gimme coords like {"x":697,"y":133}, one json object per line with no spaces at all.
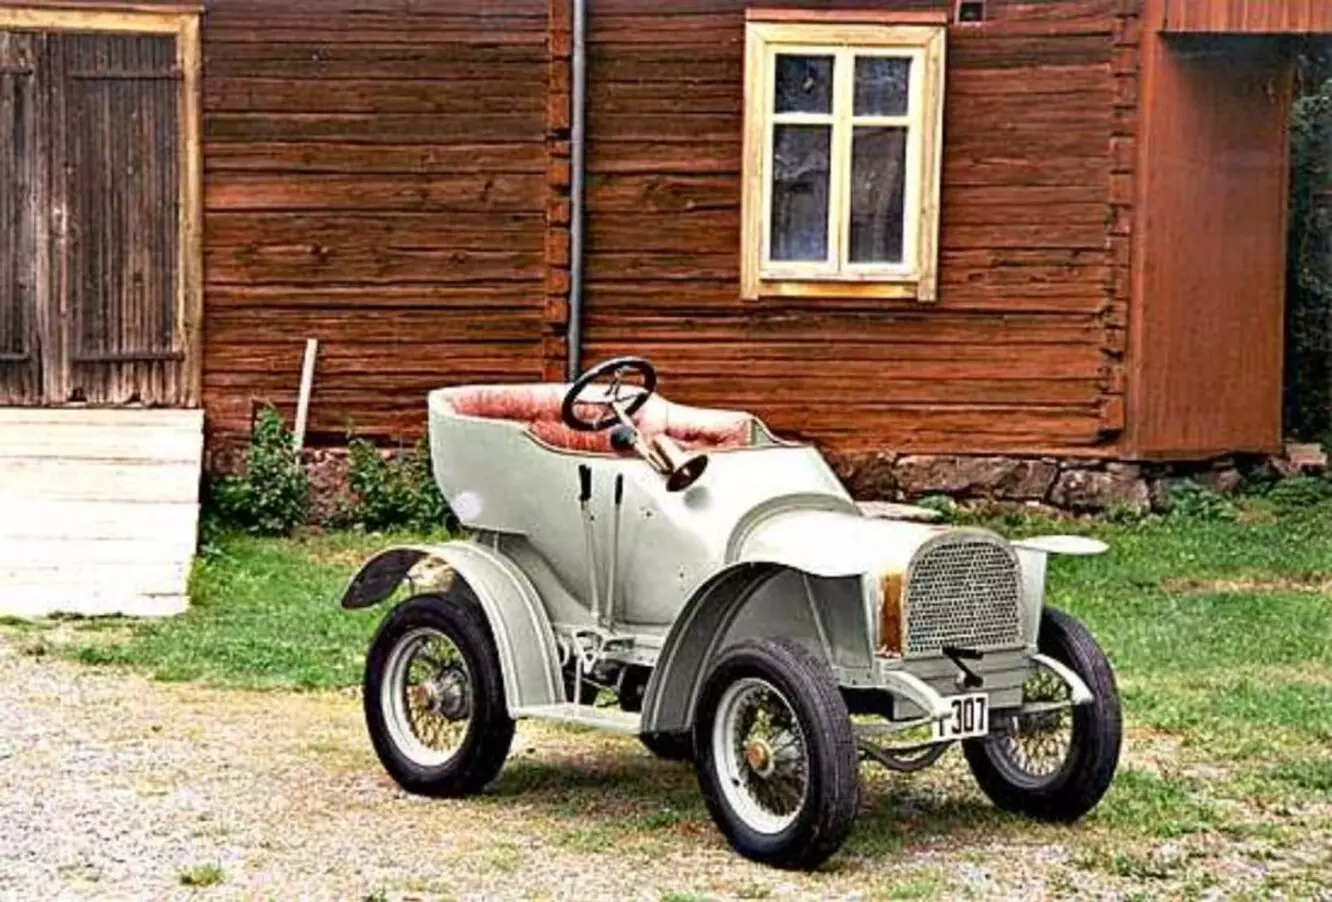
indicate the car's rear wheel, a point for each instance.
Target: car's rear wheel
{"x":777,"y":760}
{"x":434,"y":697}
{"x":1054,"y":765}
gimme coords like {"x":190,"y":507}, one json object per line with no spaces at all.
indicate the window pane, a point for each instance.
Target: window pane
{"x":883,"y":85}
{"x":804,"y":84}
{"x":878,"y":194}
{"x":800,"y":192}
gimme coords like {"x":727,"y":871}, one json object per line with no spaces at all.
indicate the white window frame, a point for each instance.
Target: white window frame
{"x":916,"y":276}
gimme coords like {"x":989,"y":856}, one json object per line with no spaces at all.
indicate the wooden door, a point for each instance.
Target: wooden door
{"x":22,"y":196}
{"x":98,"y":291}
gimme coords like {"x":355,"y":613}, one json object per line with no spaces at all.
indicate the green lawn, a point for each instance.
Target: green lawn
{"x":1220,"y":632}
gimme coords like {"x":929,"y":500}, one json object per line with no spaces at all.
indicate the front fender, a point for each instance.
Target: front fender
{"x":529,"y":660}
{"x":758,"y":600}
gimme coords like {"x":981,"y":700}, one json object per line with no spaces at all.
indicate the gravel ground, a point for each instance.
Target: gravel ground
{"x":114,"y":787}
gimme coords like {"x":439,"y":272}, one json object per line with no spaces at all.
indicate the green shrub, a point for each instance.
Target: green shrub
{"x":1308,"y":402}
{"x":393,"y":492}
{"x":271,"y":496}
{"x":947,"y":508}
{"x":1187,"y":500}
{"x":1299,"y":492}
{"x":1125,"y":515}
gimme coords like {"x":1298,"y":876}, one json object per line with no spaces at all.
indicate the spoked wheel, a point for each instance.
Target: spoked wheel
{"x":427,"y":697}
{"x":434,"y":698}
{"x":1054,"y":764}
{"x":776,"y":754}
{"x":760,"y":750}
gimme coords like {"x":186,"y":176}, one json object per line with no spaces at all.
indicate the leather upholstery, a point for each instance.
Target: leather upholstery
{"x":538,"y":408}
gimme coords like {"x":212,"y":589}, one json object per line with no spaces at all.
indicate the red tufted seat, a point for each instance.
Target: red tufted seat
{"x":538,"y":407}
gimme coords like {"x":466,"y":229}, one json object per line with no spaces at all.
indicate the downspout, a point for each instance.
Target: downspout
{"x":577,"y":182}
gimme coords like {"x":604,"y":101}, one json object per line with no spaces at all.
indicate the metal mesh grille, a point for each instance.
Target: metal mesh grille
{"x":964,"y":593}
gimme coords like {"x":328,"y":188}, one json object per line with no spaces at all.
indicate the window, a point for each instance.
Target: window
{"x":842,"y":145}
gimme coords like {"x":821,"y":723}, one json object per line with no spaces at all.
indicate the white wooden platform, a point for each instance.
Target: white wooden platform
{"x":99,"y":510}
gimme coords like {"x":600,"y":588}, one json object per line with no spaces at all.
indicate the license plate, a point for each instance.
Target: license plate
{"x":970,"y":717}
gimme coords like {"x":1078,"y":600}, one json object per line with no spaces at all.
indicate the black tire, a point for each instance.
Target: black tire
{"x":669,"y":746}
{"x":1089,"y":765}
{"x":489,"y":733}
{"x":828,"y":809}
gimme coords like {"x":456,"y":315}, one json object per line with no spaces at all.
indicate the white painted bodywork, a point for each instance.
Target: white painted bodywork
{"x":767,"y":542}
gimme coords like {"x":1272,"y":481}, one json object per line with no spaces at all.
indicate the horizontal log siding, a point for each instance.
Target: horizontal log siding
{"x":1022,"y":351}
{"x":375,"y":178}
{"x":1248,"y":16}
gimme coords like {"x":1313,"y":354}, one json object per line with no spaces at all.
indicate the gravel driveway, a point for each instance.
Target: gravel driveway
{"x":112,"y":786}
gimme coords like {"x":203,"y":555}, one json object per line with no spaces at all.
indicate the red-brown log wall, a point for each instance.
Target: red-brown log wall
{"x":1210,"y":246}
{"x":1023,"y":350}
{"x":376,"y":178}
{"x":1248,"y":16}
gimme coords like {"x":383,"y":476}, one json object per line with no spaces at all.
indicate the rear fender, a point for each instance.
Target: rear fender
{"x":529,"y":660}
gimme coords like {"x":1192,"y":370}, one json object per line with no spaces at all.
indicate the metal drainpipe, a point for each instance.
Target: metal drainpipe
{"x":577,"y":179}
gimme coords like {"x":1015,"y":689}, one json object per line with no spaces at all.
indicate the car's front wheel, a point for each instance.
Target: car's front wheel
{"x":1054,"y":764}
{"x":776,"y":755}
{"x":434,"y":697}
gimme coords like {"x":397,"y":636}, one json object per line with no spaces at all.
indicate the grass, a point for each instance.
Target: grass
{"x":1220,"y":632}
{"x":265,"y":615}
{"x":202,"y":875}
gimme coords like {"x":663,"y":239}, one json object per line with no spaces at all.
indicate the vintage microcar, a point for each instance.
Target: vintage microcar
{"x":720,"y":589}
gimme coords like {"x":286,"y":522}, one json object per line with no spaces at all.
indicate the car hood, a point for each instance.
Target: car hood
{"x":833,"y":543}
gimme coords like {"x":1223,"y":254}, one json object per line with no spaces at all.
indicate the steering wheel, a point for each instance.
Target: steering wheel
{"x":613,"y":401}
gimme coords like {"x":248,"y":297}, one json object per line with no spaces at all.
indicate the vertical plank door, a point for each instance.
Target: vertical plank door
{"x":22,"y":198}
{"x":117,"y":124}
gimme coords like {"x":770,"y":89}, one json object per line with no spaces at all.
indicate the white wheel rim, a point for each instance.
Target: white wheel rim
{"x":761,"y":756}
{"x":426,"y":697}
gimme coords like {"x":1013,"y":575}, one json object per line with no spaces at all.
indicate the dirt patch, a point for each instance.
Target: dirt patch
{"x":114,"y":786}
{"x":1320,"y":585}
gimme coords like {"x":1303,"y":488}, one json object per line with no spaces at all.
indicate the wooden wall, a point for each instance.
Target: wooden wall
{"x":1247,"y":16}
{"x":1210,"y":275}
{"x":376,"y":179}
{"x":1023,"y":350}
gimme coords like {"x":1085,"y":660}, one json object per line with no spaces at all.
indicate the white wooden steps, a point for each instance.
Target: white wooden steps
{"x":99,"y":510}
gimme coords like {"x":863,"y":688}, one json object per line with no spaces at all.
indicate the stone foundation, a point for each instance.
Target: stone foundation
{"x":1079,"y":486}
{"x":1073,"y":485}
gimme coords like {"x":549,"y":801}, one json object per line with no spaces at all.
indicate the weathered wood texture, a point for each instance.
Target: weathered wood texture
{"x":1209,"y":261}
{"x":1023,"y":350}
{"x":1247,"y":16}
{"x":90,"y":279}
{"x":118,"y":139}
{"x":22,"y":195}
{"x":376,"y":177}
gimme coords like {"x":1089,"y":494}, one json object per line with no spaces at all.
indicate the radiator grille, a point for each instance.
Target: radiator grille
{"x":963,"y":592}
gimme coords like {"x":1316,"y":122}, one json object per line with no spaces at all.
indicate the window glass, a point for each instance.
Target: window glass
{"x":800,"y":186}
{"x":883,"y":86}
{"x":804,"y":84}
{"x":878,"y":194}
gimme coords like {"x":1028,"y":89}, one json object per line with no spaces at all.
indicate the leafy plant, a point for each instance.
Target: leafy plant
{"x":945,"y":506}
{"x":393,"y":491}
{"x":1309,"y":317}
{"x":1299,"y":492}
{"x":271,"y":497}
{"x":1187,"y":500}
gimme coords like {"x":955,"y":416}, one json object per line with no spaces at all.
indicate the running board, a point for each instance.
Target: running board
{"x":611,"y":719}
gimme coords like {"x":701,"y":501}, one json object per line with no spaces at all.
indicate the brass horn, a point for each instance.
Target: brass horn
{"x":681,"y":468}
